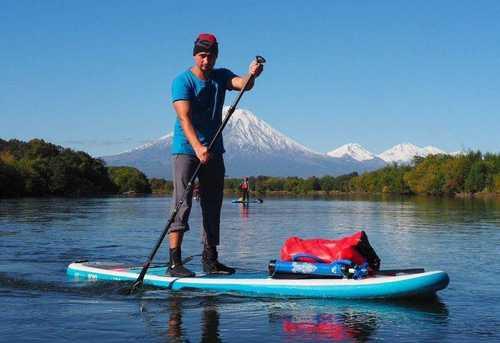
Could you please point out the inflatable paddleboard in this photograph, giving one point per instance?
(256, 201)
(260, 284)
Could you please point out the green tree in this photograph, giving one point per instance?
(342, 182)
(161, 186)
(427, 176)
(454, 175)
(292, 185)
(129, 179)
(232, 184)
(38, 148)
(11, 181)
(479, 177)
(355, 184)
(327, 183)
(273, 184)
(496, 183)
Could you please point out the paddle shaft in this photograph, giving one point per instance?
(190, 184)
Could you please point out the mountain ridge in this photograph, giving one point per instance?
(253, 147)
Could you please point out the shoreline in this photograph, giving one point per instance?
(284, 194)
(333, 194)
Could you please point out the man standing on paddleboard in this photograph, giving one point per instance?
(198, 97)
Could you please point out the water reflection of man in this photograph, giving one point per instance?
(244, 211)
(209, 321)
(175, 319)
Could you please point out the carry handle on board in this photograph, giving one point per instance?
(189, 187)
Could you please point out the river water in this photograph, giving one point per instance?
(40, 237)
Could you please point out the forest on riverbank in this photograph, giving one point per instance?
(37, 168)
(438, 175)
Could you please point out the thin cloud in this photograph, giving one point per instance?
(103, 143)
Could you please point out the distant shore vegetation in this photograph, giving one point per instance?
(439, 175)
(37, 168)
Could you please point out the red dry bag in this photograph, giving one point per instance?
(355, 248)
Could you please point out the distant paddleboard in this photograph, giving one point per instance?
(252, 201)
(257, 284)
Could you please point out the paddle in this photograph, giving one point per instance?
(140, 279)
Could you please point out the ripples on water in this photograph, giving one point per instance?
(40, 237)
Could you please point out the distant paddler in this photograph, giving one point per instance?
(244, 188)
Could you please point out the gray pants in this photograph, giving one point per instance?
(211, 179)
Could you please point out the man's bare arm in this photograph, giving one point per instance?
(238, 82)
(183, 110)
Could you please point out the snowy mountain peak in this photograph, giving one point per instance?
(404, 153)
(162, 141)
(352, 150)
(245, 131)
(432, 150)
(253, 147)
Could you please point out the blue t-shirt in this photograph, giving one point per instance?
(207, 99)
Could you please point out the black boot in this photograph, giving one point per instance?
(176, 268)
(211, 265)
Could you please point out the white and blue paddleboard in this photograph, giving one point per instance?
(252, 201)
(260, 284)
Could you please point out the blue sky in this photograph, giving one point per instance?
(96, 75)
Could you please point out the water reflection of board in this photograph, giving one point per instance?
(260, 284)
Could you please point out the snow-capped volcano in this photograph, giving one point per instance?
(404, 153)
(432, 150)
(167, 139)
(352, 150)
(245, 131)
(253, 147)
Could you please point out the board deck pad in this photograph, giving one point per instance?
(260, 284)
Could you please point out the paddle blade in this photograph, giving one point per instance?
(135, 286)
